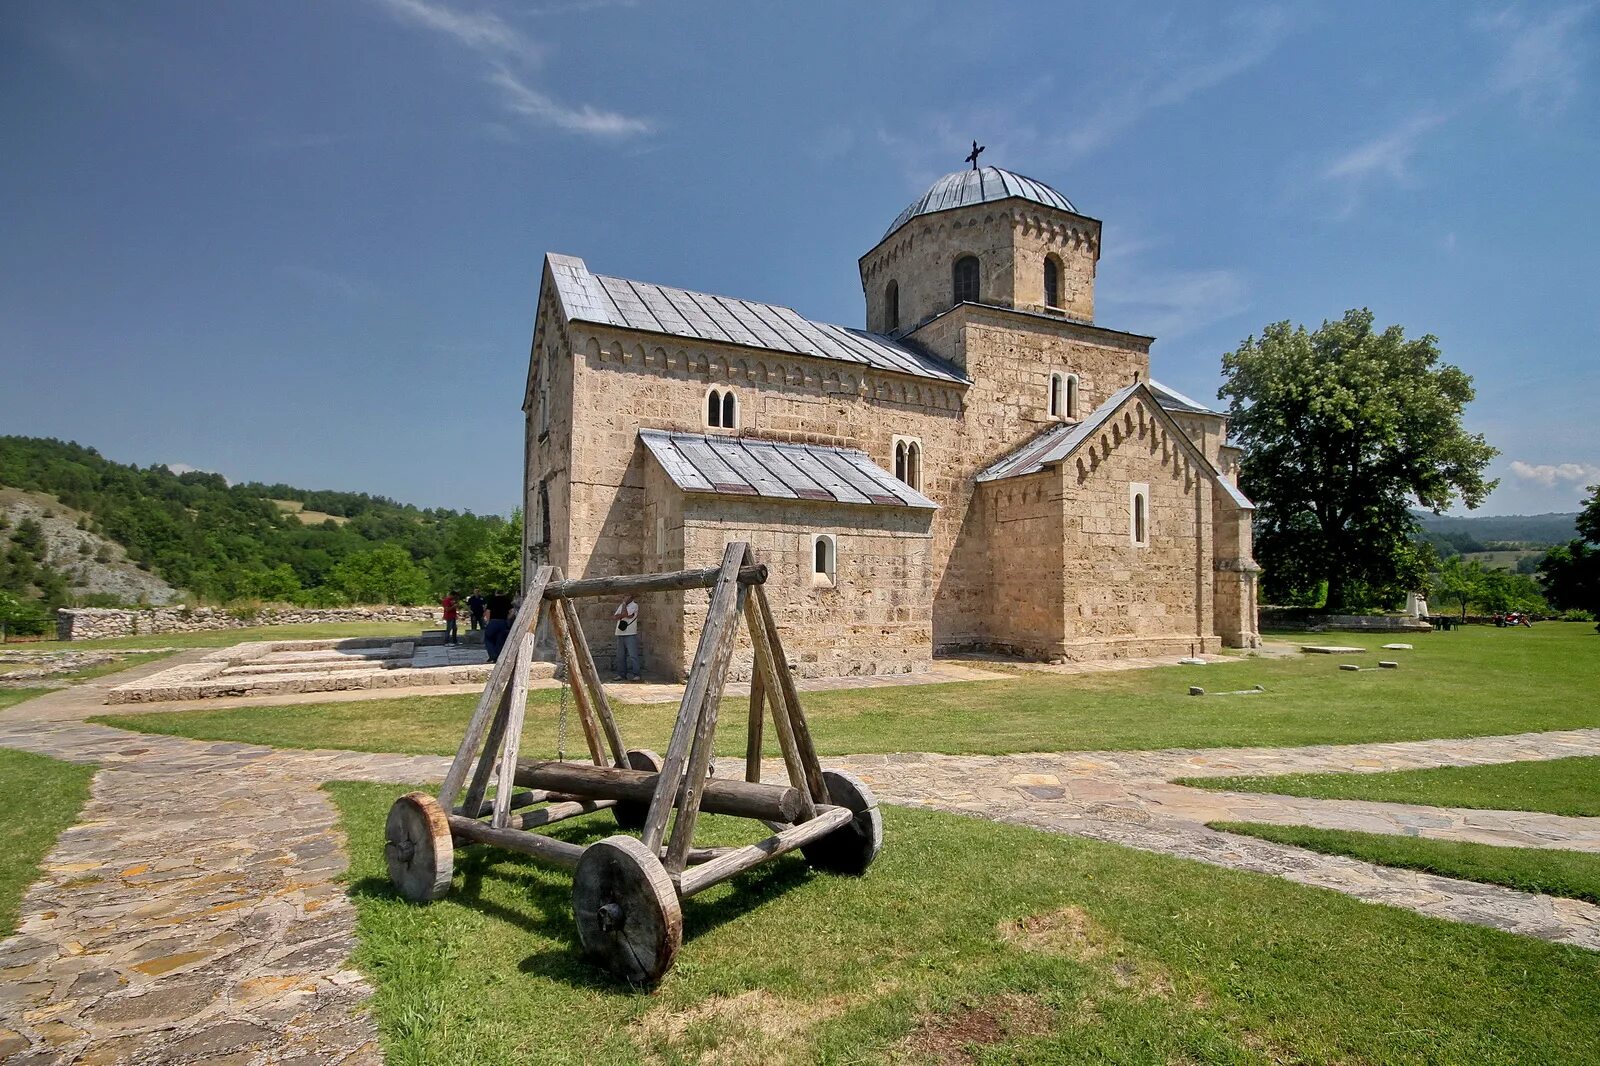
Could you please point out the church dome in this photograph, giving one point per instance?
(963, 188)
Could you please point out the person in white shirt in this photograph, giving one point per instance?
(627, 658)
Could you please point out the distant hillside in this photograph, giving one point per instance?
(1472, 534)
(218, 542)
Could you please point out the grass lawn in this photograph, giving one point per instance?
(10, 697)
(1556, 786)
(222, 638)
(41, 797)
(966, 942)
(1473, 682)
(1555, 873)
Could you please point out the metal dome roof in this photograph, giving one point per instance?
(962, 188)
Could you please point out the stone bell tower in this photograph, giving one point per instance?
(983, 235)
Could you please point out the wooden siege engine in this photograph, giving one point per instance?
(628, 890)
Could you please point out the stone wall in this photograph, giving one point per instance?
(87, 623)
(1311, 620)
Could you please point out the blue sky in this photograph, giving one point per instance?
(300, 241)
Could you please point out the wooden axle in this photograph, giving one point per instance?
(699, 878)
(637, 584)
(778, 803)
(551, 850)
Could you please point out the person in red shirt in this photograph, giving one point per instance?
(449, 605)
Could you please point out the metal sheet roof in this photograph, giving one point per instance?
(779, 470)
(1173, 400)
(962, 188)
(1057, 442)
(608, 301)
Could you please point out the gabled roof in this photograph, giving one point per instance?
(750, 466)
(1173, 400)
(1057, 444)
(962, 188)
(608, 301)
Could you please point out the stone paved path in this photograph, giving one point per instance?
(195, 914)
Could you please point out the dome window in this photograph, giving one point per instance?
(964, 280)
(891, 306)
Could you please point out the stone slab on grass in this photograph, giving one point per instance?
(1331, 649)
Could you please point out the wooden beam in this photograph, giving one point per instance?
(699, 878)
(499, 678)
(557, 812)
(517, 709)
(780, 803)
(489, 758)
(752, 740)
(549, 849)
(639, 584)
(601, 706)
(791, 698)
(591, 736)
(771, 670)
(705, 741)
(719, 626)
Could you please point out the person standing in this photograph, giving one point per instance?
(627, 658)
(475, 610)
(449, 605)
(498, 624)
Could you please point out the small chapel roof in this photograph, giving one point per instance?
(1173, 400)
(609, 301)
(980, 185)
(750, 466)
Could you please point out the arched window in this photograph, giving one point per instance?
(1072, 396)
(964, 279)
(722, 409)
(1139, 514)
(908, 461)
(1063, 395)
(891, 305)
(824, 560)
(1052, 282)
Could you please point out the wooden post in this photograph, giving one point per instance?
(725, 866)
(791, 698)
(771, 669)
(719, 627)
(705, 740)
(517, 706)
(580, 695)
(490, 758)
(591, 679)
(499, 678)
(752, 740)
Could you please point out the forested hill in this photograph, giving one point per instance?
(1473, 533)
(219, 542)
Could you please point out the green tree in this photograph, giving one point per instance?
(20, 617)
(382, 575)
(1571, 573)
(1457, 581)
(1344, 430)
(498, 564)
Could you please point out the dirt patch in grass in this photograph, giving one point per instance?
(754, 1026)
(1070, 931)
(959, 1036)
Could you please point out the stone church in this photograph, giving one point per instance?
(981, 468)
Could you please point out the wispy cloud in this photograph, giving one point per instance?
(505, 52)
(520, 99)
(1387, 155)
(1180, 73)
(1542, 61)
(330, 283)
(1172, 303)
(1552, 474)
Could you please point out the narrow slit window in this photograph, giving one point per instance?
(914, 465)
(900, 460)
(891, 305)
(1057, 396)
(1139, 515)
(730, 411)
(714, 409)
(824, 559)
(1052, 282)
(1071, 407)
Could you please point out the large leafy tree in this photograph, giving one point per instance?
(1571, 573)
(382, 575)
(1344, 431)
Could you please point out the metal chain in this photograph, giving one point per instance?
(561, 720)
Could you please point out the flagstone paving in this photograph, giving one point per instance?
(195, 913)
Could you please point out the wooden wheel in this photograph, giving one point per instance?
(851, 848)
(419, 850)
(631, 815)
(628, 915)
